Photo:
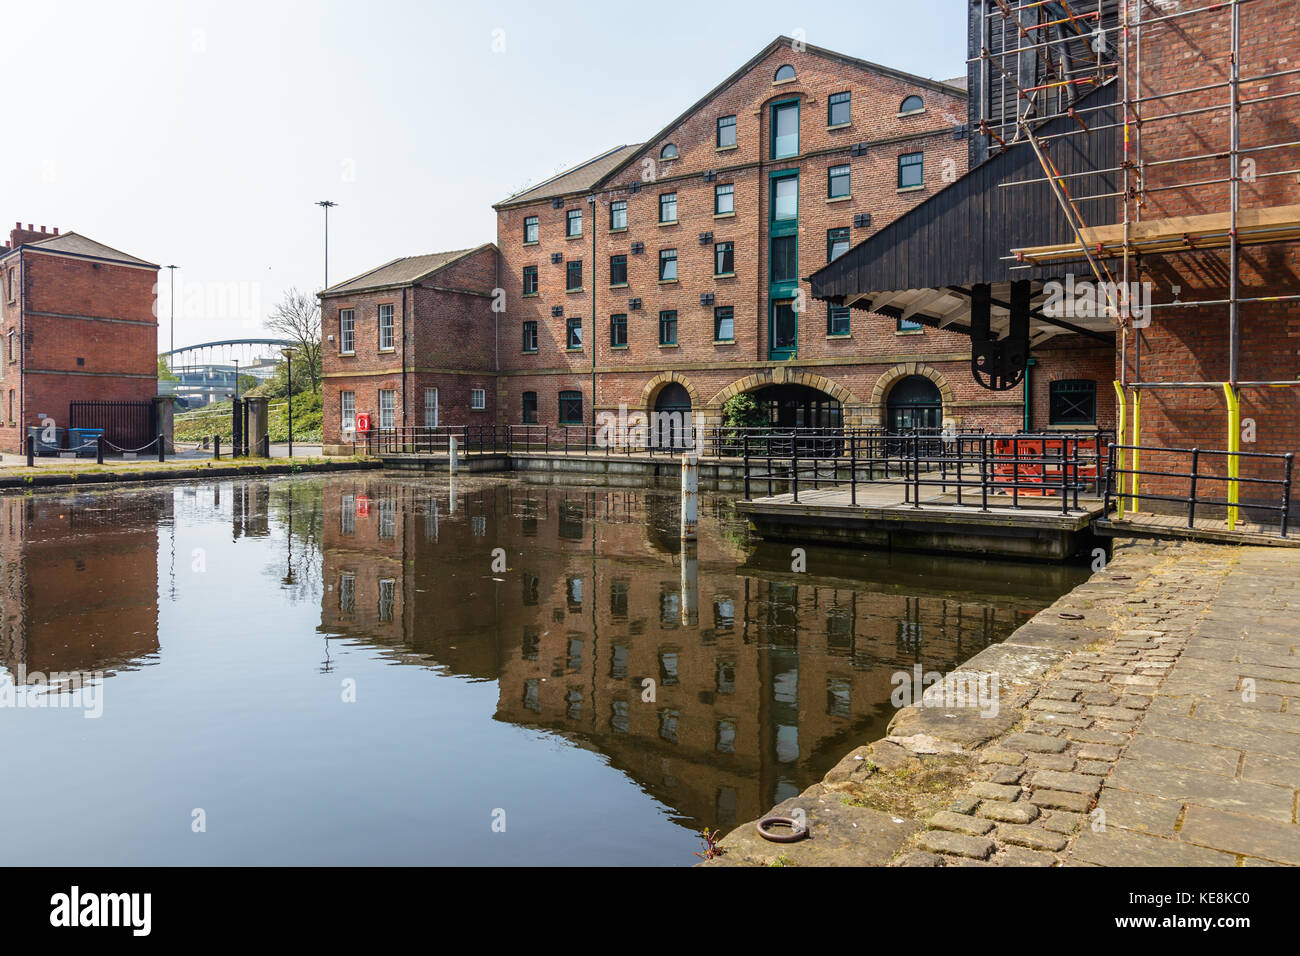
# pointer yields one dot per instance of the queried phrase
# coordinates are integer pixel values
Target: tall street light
(288, 358)
(327, 206)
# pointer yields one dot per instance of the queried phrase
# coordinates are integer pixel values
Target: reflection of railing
(974, 467)
(1124, 484)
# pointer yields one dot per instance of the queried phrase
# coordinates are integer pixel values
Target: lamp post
(288, 358)
(327, 205)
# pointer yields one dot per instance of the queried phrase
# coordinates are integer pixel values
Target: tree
(297, 318)
(165, 374)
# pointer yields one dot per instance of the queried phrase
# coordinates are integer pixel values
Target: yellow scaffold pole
(1133, 481)
(1119, 451)
(1234, 449)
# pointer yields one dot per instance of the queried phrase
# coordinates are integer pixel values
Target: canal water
(378, 670)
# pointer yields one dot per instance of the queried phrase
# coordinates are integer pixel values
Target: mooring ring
(797, 830)
(1071, 616)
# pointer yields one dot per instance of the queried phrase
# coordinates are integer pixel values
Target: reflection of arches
(892, 376)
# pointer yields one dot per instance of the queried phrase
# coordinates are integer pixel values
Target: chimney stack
(18, 235)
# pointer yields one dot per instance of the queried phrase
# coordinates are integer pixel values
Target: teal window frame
(667, 325)
(908, 161)
(776, 108)
(904, 108)
(907, 325)
(666, 200)
(616, 263)
(724, 313)
(570, 272)
(618, 330)
(720, 190)
(837, 320)
(573, 333)
(528, 409)
(530, 226)
(838, 176)
(783, 72)
(721, 249)
(783, 290)
(530, 335)
(723, 124)
(567, 399)
(571, 217)
(530, 272)
(615, 208)
(845, 100)
(837, 235)
(667, 256)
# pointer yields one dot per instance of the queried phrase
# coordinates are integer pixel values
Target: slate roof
(403, 271)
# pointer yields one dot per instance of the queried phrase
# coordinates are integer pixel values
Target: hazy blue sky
(201, 133)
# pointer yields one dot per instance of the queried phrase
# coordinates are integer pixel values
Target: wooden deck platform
(1144, 525)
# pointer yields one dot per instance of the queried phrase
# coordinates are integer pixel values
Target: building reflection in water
(80, 582)
(719, 680)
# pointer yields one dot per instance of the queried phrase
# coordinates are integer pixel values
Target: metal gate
(125, 424)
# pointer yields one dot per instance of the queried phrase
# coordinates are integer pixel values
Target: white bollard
(451, 452)
(690, 496)
(690, 584)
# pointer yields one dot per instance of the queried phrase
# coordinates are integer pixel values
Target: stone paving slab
(1162, 729)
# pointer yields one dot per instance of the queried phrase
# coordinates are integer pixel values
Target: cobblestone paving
(1149, 717)
(1152, 748)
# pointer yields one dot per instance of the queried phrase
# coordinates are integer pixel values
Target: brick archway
(850, 405)
(890, 377)
(656, 385)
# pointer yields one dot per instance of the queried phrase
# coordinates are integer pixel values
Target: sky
(201, 134)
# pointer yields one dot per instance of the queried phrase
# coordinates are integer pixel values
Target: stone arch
(851, 406)
(891, 376)
(656, 385)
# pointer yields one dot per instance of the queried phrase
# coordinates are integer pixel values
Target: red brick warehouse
(79, 323)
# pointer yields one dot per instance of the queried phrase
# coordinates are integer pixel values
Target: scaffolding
(1050, 32)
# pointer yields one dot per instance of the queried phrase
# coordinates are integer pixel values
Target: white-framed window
(386, 337)
(430, 408)
(347, 331)
(478, 398)
(348, 410)
(387, 407)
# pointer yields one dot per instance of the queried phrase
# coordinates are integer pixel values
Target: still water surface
(331, 671)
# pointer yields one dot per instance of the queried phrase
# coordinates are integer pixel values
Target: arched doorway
(913, 403)
(798, 406)
(672, 416)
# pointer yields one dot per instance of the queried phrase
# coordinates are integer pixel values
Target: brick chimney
(19, 235)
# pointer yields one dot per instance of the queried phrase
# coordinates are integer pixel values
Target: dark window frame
(668, 198)
(531, 222)
(847, 103)
(719, 250)
(666, 256)
(617, 325)
(907, 161)
(1066, 407)
(567, 399)
(570, 272)
(617, 206)
(530, 272)
(668, 320)
(572, 334)
(721, 125)
(843, 174)
(570, 217)
(718, 312)
(530, 333)
(614, 266)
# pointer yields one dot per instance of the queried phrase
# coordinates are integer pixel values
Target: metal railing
(1016, 470)
(1124, 484)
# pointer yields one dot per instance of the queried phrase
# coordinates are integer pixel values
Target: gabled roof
(578, 179)
(74, 244)
(404, 271)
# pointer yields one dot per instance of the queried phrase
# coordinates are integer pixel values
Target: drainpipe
(406, 326)
(591, 208)
(1028, 366)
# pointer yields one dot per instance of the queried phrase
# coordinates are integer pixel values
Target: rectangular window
(530, 336)
(724, 199)
(530, 228)
(726, 131)
(386, 336)
(430, 408)
(837, 320)
(618, 214)
(837, 243)
(724, 258)
(785, 130)
(785, 259)
(478, 399)
(573, 333)
(907, 325)
(387, 407)
(530, 408)
(618, 330)
(668, 207)
(387, 598)
(910, 170)
(1072, 401)
(348, 409)
(530, 280)
(573, 275)
(347, 331)
(618, 270)
(724, 324)
(570, 408)
(837, 181)
(13, 285)
(573, 223)
(785, 198)
(668, 328)
(837, 109)
(667, 264)
(347, 593)
(348, 514)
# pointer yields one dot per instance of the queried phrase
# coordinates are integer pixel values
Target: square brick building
(78, 322)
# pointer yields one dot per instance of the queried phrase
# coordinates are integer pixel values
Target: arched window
(785, 72)
(913, 104)
(668, 152)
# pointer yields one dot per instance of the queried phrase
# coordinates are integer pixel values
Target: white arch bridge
(208, 370)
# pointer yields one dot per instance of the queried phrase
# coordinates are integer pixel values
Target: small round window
(784, 73)
(668, 152)
(912, 104)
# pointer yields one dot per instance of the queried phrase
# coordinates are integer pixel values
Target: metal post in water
(690, 583)
(690, 496)
(451, 453)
